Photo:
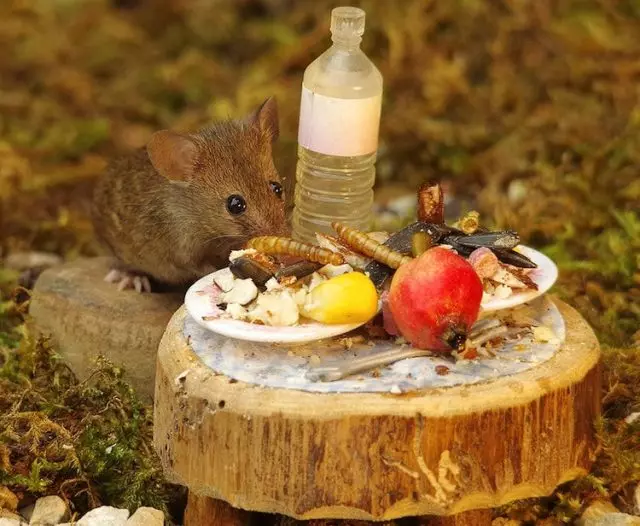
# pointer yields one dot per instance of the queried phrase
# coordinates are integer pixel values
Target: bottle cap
(347, 22)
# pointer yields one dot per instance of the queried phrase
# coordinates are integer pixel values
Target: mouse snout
(281, 230)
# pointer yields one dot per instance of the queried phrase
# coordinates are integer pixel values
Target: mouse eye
(276, 187)
(236, 204)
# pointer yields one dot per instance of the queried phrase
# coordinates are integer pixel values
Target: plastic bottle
(338, 133)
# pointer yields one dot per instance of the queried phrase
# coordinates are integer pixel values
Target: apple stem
(455, 337)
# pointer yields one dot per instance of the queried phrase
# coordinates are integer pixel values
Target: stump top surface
(81, 281)
(293, 366)
(578, 354)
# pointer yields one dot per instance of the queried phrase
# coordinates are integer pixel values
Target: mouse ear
(266, 118)
(172, 155)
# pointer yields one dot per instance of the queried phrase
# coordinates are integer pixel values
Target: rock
(10, 516)
(632, 418)
(8, 499)
(603, 513)
(26, 260)
(104, 516)
(146, 517)
(87, 317)
(49, 511)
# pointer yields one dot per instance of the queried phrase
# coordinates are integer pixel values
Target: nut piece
(484, 262)
(224, 279)
(243, 292)
(277, 308)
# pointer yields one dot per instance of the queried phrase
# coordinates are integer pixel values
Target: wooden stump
(373, 456)
(87, 317)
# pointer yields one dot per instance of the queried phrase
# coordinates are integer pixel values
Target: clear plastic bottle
(338, 133)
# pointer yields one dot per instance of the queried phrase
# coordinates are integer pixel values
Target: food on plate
(429, 278)
(435, 299)
(363, 243)
(430, 203)
(346, 298)
(290, 247)
(323, 294)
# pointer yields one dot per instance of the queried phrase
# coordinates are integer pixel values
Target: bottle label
(342, 127)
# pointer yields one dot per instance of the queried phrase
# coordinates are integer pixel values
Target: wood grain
(377, 456)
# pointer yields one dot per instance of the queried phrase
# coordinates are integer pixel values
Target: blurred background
(529, 108)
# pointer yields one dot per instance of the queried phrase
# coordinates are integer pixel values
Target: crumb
(376, 373)
(442, 370)
(287, 281)
(543, 334)
(469, 354)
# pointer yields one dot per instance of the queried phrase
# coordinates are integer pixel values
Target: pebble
(632, 418)
(146, 517)
(104, 516)
(603, 513)
(49, 511)
(9, 518)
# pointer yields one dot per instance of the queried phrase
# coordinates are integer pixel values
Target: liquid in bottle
(338, 133)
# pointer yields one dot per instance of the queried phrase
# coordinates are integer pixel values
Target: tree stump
(86, 317)
(433, 454)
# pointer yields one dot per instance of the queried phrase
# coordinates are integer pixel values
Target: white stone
(603, 513)
(632, 418)
(146, 517)
(49, 511)
(104, 516)
(8, 518)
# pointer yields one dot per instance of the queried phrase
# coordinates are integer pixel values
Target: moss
(89, 441)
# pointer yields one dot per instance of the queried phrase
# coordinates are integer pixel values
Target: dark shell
(248, 268)
(299, 269)
(401, 242)
(505, 240)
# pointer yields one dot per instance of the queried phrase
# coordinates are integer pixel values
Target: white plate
(199, 305)
(544, 276)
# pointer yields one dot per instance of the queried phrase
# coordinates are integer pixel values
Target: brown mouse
(172, 211)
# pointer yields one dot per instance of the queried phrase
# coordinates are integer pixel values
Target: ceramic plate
(199, 305)
(544, 276)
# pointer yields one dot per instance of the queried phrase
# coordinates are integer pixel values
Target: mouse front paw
(126, 279)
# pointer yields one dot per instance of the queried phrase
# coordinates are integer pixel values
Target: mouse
(172, 211)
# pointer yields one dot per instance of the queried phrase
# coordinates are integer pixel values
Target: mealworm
(289, 247)
(369, 247)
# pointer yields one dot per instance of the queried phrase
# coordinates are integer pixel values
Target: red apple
(435, 299)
